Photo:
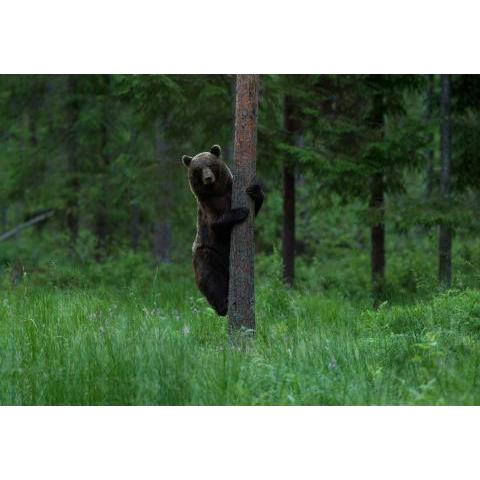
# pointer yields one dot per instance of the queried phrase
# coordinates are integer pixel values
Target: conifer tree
(241, 305)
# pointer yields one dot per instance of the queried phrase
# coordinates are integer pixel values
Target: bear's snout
(208, 176)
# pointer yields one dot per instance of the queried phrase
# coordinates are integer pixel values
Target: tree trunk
(428, 120)
(162, 241)
(241, 307)
(445, 231)
(377, 209)
(73, 184)
(293, 134)
(288, 232)
(35, 105)
(134, 226)
(377, 236)
(102, 224)
(18, 216)
(3, 218)
(162, 232)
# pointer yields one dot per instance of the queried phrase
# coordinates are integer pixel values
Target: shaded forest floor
(122, 333)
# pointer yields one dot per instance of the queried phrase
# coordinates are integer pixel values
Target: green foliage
(121, 334)
(89, 316)
(128, 133)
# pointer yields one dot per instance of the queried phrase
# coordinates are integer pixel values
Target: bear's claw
(254, 190)
(241, 213)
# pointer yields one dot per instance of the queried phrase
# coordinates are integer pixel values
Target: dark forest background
(372, 200)
(378, 170)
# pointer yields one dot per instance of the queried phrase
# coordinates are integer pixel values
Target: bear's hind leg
(214, 286)
(212, 281)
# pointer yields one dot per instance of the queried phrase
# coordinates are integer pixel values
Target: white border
(239, 443)
(100, 36)
(225, 36)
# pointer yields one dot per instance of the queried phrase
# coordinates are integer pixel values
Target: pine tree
(241, 306)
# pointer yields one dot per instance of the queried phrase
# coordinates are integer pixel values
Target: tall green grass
(125, 334)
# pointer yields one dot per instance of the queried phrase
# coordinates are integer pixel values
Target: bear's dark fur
(211, 182)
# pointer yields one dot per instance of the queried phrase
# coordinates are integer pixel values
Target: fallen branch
(24, 225)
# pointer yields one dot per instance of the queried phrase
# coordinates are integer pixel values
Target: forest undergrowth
(127, 333)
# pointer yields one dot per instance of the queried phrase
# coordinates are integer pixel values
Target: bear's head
(208, 174)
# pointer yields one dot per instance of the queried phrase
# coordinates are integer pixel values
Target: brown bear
(211, 183)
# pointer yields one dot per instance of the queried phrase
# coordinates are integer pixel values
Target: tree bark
(73, 184)
(428, 120)
(102, 224)
(377, 208)
(445, 231)
(241, 307)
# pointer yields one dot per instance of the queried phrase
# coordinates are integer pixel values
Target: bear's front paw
(241, 213)
(254, 190)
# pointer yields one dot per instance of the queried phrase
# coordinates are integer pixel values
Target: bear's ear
(216, 150)
(186, 160)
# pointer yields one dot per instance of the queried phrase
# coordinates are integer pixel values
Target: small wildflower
(332, 365)
(186, 330)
